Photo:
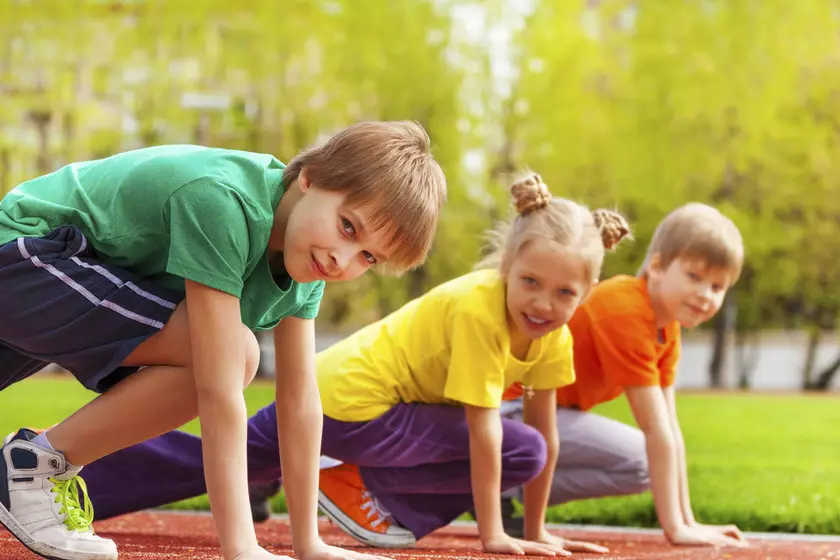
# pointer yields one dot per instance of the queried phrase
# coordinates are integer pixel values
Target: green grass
(765, 462)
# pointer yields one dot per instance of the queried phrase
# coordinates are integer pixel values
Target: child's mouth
(535, 321)
(318, 268)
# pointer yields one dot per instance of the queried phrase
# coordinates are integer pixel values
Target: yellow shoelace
(77, 517)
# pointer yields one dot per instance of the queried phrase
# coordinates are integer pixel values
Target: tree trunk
(825, 377)
(814, 334)
(718, 352)
(747, 357)
(724, 324)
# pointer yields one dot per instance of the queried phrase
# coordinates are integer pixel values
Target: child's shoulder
(474, 293)
(476, 283)
(620, 296)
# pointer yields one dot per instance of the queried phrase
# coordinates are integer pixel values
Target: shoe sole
(350, 527)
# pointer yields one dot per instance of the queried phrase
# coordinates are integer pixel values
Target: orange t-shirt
(616, 344)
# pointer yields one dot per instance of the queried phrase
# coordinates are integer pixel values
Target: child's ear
(303, 180)
(654, 265)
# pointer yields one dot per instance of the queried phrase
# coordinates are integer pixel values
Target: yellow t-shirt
(449, 346)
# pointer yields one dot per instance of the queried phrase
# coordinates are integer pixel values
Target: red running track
(155, 536)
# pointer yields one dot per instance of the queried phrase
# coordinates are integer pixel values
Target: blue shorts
(60, 304)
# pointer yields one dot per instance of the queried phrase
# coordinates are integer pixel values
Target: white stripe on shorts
(119, 283)
(85, 292)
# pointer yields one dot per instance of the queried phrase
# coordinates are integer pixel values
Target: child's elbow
(660, 437)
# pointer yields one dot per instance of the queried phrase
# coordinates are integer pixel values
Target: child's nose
(541, 304)
(341, 258)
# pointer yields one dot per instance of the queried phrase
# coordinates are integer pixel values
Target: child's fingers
(730, 541)
(734, 532)
(504, 547)
(582, 546)
(741, 543)
(543, 549)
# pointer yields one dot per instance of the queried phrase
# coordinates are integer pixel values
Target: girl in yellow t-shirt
(411, 402)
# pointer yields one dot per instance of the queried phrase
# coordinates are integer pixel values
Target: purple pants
(414, 459)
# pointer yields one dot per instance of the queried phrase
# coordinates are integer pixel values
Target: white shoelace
(374, 510)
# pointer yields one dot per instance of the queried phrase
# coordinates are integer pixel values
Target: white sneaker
(41, 506)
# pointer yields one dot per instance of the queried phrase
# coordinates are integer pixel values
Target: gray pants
(598, 456)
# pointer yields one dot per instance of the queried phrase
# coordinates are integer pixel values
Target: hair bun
(530, 194)
(613, 227)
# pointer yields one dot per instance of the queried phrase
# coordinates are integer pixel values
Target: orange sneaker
(343, 497)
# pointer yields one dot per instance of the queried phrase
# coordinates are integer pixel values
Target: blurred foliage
(639, 107)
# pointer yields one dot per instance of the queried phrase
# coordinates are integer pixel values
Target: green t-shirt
(173, 212)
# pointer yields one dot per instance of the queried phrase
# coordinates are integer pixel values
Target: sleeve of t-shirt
(626, 350)
(309, 310)
(668, 361)
(476, 367)
(556, 368)
(209, 235)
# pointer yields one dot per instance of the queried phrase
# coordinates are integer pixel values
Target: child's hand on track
(505, 544)
(699, 535)
(323, 551)
(569, 545)
(726, 530)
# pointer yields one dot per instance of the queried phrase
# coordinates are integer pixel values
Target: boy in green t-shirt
(133, 273)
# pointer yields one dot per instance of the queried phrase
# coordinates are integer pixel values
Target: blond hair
(697, 231)
(541, 216)
(388, 166)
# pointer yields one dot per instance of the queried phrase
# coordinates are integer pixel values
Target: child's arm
(679, 444)
(649, 409)
(218, 368)
(651, 413)
(685, 501)
(540, 412)
(299, 424)
(485, 425)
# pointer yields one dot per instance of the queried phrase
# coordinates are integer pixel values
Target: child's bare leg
(148, 403)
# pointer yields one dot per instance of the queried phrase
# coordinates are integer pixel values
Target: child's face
(688, 290)
(327, 240)
(545, 284)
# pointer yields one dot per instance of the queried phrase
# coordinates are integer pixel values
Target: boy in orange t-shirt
(627, 341)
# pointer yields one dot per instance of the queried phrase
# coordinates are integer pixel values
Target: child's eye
(694, 276)
(529, 281)
(567, 292)
(347, 226)
(369, 257)
(716, 288)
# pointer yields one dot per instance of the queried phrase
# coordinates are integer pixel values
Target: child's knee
(636, 474)
(527, 459)
(252, 355)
